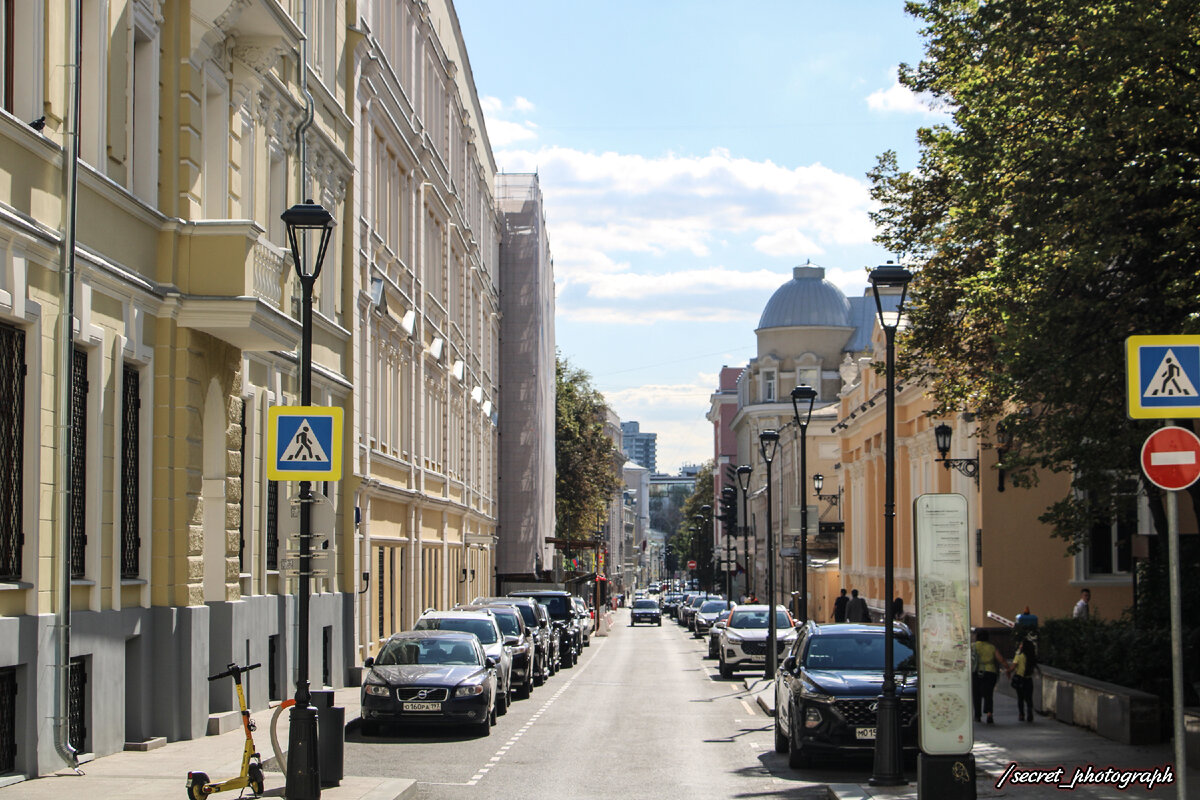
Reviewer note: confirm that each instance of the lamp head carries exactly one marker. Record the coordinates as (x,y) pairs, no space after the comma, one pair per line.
(818,481)
(768,444)
(743,476)
(803,397)
(889,276)
(941,435)
(304,218)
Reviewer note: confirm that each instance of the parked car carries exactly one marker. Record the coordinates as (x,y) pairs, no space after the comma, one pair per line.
(689,610)
(563,618)
(714,633)
(744,638)
(483,624)
(670,603)
(684,599)
(429,677)
(645,610)
(516,637)
(707,614)
(537,620)
(827,689)
(586,621)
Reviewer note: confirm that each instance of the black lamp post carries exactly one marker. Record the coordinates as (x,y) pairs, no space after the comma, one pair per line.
(967,466)
(303,780)
(704,518)
(768,445)
(743,479)
(887,770)
(803,397)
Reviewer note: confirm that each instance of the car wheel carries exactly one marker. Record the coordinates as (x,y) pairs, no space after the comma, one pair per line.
(797,757)
(485,727)
(527,689)
(502,703)
(660,622)
(726,670)
(781,739)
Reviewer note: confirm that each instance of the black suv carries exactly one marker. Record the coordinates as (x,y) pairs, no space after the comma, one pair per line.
(565,620)
(537,622)
(827,690)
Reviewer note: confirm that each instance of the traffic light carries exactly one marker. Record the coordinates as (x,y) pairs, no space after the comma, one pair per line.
(728,507)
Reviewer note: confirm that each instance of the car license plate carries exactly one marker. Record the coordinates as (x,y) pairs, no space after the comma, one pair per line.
(427,707)
(864,733)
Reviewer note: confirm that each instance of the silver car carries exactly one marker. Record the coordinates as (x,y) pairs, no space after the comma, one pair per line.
(707,614)
(744,638)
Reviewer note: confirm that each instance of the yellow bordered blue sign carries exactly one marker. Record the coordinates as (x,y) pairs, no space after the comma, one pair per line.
(1163,375)
(304,443)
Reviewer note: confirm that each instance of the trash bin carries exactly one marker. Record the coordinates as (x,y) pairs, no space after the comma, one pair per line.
(331,737)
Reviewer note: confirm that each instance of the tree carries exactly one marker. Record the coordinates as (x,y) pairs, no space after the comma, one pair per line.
(586,461)
(1056,216)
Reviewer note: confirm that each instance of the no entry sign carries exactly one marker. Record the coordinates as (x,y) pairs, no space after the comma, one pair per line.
(691,565)
(1171,458)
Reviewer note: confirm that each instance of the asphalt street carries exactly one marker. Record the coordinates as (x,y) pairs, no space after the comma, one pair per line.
(643,714)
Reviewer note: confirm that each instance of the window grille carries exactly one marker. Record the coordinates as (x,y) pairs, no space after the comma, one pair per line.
(12,447)
(273,668)
(76,707)
(273,525)
(327,656)
(242,499)
(130,438)
(79,390)
(8,720)
(379,591)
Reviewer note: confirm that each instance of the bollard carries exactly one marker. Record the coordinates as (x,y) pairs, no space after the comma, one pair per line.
(331,737)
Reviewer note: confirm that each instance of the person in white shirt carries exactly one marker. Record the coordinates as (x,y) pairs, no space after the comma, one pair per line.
(1082,607)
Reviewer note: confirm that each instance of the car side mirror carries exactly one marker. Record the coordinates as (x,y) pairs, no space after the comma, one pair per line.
(492,662)
(543,623)
(719,626)
(370,662)
(512,641)
(789,664)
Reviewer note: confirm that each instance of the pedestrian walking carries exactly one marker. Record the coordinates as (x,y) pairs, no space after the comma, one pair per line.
(856,609)
(1021,670)
(898,609)
(986,662)
(839,607)
(1083,607)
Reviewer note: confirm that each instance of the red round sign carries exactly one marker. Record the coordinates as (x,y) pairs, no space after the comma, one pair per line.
(691,565)
(1171,458)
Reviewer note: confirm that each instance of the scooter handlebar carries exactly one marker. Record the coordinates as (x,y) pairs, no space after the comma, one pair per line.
(233,671)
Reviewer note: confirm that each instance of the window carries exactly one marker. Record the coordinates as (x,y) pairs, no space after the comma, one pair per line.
(7,20)
(215,200)
(143,161)
(76,522)
(130,499)
(1108,548)
(12,446)
(768,382)
(272,525)
(809,376)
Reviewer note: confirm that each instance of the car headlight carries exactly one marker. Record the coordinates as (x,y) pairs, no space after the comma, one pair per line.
(733,637)
(814,695)
(377,690)
(469,691)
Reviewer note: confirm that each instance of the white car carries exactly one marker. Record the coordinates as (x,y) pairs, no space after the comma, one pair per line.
(586,623)
(744,638)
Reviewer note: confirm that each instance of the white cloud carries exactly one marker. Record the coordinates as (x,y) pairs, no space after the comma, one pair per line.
(502,133)
(523,105)
(899,99)
(610,315)
(787,243)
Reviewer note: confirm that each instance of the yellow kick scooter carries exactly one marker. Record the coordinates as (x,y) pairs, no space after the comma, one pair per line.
(198,785)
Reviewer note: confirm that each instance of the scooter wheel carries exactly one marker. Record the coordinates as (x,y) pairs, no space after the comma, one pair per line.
(257,783)
(195,790)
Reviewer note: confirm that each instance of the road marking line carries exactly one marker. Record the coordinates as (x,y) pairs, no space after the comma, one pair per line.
(746,706)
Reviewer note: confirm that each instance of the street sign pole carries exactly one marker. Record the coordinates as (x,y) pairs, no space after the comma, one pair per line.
(1176,645)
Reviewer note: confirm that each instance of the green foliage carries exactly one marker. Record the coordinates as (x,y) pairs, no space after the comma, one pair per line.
(697,544)
(587,463)
(1116,651)
(1054,217)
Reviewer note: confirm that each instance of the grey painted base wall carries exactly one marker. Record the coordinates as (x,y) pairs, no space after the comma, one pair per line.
(147,668)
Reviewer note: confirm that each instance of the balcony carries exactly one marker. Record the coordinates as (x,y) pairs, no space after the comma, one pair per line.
(234,285)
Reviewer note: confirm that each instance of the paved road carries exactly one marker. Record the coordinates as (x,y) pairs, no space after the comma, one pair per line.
(643,715)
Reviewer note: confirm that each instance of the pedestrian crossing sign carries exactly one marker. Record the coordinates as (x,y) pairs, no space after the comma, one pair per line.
(304,443)
(1163,374)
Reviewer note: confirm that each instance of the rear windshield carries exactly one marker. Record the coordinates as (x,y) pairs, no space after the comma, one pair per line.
(557,606)
(509,626)
(758,620)
(485,630)
(856,652)
(426,651)
(645,604)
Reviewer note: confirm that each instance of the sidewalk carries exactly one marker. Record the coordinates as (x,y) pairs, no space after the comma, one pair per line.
(161,772)
(1045,744)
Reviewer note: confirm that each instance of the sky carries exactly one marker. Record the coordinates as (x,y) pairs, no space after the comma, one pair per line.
(690,154)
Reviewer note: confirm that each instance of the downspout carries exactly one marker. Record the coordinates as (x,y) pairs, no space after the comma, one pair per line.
(306,123)
(65,438)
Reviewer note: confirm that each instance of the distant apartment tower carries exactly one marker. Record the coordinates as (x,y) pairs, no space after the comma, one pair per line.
(527,392)
(640,447)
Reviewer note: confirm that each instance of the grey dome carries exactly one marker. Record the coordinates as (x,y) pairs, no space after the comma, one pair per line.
(807,299)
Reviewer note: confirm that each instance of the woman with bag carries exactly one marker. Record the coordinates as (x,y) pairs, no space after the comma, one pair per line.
(1021,669)
(985,658)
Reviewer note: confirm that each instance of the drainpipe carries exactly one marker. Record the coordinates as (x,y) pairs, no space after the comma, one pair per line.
(306,123)
(70,177)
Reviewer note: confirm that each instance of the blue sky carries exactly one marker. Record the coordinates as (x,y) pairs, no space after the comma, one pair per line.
(691,153)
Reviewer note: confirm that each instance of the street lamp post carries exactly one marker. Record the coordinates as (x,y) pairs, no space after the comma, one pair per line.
(803,397)
(743,479)
(728,529)
(887,770)
(303,779)
(768,445)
